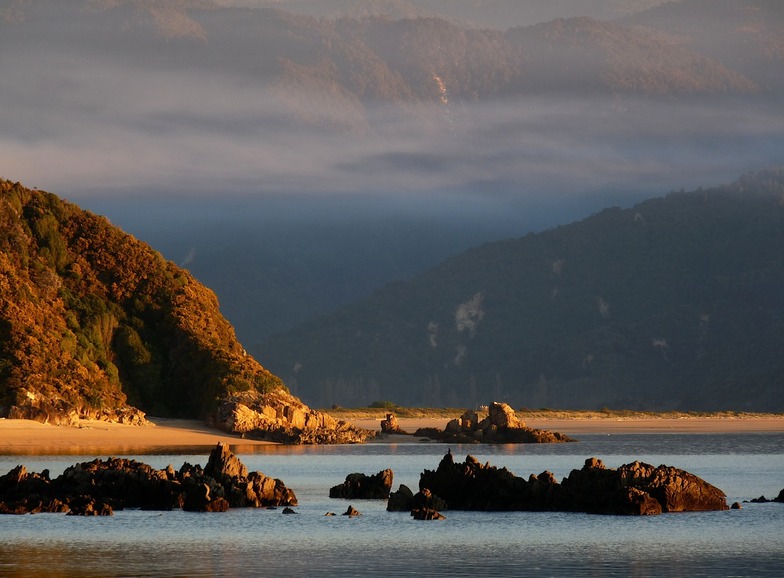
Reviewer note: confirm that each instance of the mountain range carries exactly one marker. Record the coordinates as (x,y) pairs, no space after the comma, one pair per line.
(674,303)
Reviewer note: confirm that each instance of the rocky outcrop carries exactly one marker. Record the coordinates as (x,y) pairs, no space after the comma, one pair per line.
(60,412)
(361,487)
(352,512)
(283,418)
(639,488)
(632,489)
(390,425)
(764,500)
(500,426)
(101,486)
(404,500)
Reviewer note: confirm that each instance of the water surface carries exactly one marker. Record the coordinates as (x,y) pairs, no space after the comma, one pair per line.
(241,542)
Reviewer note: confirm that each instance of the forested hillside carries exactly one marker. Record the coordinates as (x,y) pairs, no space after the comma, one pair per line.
(675,303)
(93,321)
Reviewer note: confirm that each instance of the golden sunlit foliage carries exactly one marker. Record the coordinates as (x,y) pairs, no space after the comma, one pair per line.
(91,319)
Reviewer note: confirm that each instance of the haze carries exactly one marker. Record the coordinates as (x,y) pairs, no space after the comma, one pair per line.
(297,154)
(131,98)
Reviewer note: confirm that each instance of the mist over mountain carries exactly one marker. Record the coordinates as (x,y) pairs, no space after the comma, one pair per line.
(674,303)
(191,97)
(295,155)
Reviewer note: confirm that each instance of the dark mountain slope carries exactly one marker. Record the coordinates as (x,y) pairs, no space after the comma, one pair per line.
(675,303)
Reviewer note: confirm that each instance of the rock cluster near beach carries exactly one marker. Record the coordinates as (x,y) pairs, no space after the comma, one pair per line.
(390,425)
(101,486)
(280,417)
(632,489)
(500,426)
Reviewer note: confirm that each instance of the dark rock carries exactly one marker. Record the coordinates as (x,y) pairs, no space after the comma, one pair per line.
(427,514)
(426,500)
(361,487)
(216,505)
(288,510)
(88,506)
(675,489)
(780,497)
(401,501)
(351,512)
(116,483)
(736,506)
(633,489)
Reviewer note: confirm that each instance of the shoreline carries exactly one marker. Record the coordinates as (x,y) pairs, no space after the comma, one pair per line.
(616,425)
(103,438)
(19,436)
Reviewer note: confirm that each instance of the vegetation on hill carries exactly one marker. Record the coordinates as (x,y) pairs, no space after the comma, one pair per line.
(675,303)
(92,320)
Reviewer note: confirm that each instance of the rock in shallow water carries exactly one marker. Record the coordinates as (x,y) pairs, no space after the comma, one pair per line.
(359,486)
(99,486)
(632,489)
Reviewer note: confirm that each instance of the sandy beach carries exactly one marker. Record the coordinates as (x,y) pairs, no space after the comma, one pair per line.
(97,437)
(29,437)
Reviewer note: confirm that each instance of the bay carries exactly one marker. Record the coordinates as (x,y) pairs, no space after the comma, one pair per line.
(243,542)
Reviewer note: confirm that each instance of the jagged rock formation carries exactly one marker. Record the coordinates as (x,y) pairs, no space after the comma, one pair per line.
(764,500)
(500,426)
(359,486)
(352,512)
(632,489)
(281,417)
(423,505)
(96,324)
(390,425)
(102,486)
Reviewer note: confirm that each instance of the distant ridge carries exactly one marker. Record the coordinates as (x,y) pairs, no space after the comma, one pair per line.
(675,303)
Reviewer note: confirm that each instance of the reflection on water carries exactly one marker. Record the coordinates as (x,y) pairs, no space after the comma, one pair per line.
(748,542)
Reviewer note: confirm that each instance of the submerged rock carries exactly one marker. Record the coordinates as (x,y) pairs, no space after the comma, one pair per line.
(352,512)
(427,514)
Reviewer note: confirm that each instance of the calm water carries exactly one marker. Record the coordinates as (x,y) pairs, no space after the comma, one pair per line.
(749,542)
